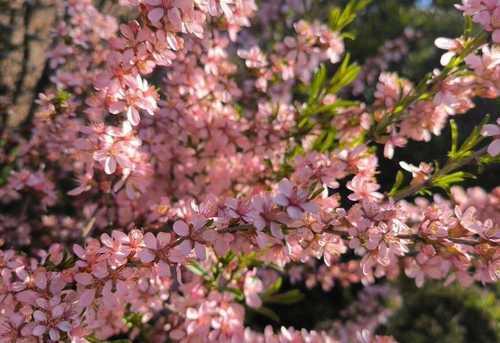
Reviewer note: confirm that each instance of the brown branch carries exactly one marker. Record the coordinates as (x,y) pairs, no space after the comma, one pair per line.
(28,11)
(465,241)
(26,125)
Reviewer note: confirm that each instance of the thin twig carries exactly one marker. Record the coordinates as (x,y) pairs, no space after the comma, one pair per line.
(448,168)
(26,52)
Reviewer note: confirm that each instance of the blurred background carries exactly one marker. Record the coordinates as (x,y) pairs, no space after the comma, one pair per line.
(393,35)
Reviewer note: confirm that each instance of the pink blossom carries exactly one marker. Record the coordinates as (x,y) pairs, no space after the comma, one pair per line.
(190,236)
(294,200)
(454,46)
(491,130)
(50,319)
(253,286)
(363,189)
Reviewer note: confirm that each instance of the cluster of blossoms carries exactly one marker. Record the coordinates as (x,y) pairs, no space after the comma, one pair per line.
(361,319)
(392,51)
(177,139)
(484,12)
(313,273)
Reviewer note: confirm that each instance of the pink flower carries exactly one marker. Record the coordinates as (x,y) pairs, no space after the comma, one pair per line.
(420,174)
(254,58)
(454,46)
(394,140)
(85,184)
(119,147)
(137,96)
(155,14)
(390,90)
(116,247)
(484,12)
(51,318)
(363,189)
(491,130)
(190,238)
(265,214)
(153,245)
(252,287)
(294,199)
(427,264)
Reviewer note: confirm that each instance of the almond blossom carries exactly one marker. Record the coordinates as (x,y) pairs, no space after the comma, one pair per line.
(239,174)
(293,199)
(491,130)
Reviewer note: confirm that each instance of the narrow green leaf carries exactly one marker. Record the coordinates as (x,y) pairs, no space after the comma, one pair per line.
(318,142)
(236,292)
(329,140)
(196,268)
(446,181)
(397,183)
(339,19)
(287,298)
(317,84)
(474,138)
(267,312)
(468,26)
(454,139)
(488,159)
(345,75)
(337,104)
(303,122)
(275,287)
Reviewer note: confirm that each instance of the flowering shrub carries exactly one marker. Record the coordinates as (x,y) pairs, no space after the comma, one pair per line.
(183,163)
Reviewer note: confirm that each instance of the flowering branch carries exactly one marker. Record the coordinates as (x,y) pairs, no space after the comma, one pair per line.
(230,180)
(428,86)
(451,166)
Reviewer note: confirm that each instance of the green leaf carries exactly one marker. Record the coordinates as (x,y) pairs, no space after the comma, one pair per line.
(488,159)
(454,138)
(348,35)
(133,319)
(344,76)
(68,261)
(316,193)
(303,122)
(397,183)
(339,19)
(62,97)
(287,298)
(274,288)
(328,142)
(468,26)
(4,174)
(331,107)
(317,84)
(446,181)
(472,141)
(318,142)
(474,138)
(236,292)
(268,313)
(425,191)
(297,150)
(228,258)
(196,268)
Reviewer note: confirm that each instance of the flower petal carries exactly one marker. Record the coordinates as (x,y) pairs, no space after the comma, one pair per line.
(181,228)
(156,14)
(109,165)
